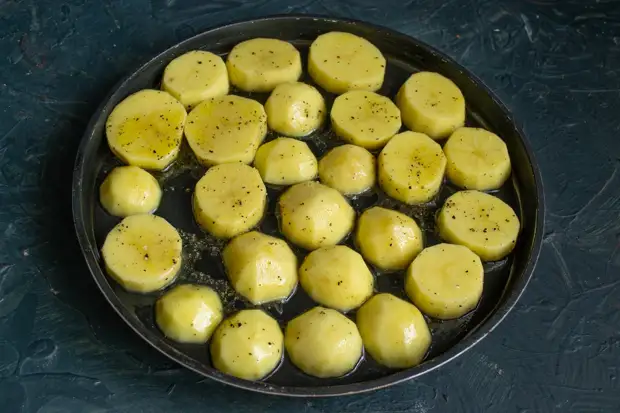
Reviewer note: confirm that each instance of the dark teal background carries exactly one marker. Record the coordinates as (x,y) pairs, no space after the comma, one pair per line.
(555,63)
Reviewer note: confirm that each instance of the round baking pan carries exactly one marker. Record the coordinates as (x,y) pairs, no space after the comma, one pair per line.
(504,280)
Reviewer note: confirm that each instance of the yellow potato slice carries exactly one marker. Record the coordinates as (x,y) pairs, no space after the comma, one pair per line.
(285,161)
(339,62)
(313,215)
(394,332)
(295,109)
(146,129)
(129,190)
(142,253)
(388,239)
(323,343)
(248,345)
(226,129)
(189,313)
(445,281)
(336,277)
(229,200)
(477,159)
(365,119)
(259,65)
(431,104)
(195,76)
(261,268)
(348,169)
(411,168)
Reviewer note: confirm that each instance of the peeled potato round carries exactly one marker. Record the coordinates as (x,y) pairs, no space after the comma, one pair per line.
(445,281)
(365,118)
(339,62)
(295,109)
(323,343)
(313,215)
(189,313)
(394,332)
(483,223)
(388,239)
(348,169)
(431,104)
(285,161)
(195,76)
(411,168)
(477,159)
(259,65)
(129,190)
(247,345)
(261,268)
(226,129)
(229,199)
(336,277)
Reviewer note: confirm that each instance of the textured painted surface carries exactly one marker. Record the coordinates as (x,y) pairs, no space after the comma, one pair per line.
(555,63)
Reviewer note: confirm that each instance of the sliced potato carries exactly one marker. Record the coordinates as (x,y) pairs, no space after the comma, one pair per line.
(336,277)
(226,129)
(195,76)
(411,168)
(313,215)
(261,268)
(339,62)
(189,313)
(248,345)
(388,239)
(348,169)
(229,200)
(146,129)
(431,104)
(477,159)
(445,281)
(483,223)
(295,109)
(143,253)
(365,118)
(129,190)
(259,65)
(323,343)
(285,161)
(394,332)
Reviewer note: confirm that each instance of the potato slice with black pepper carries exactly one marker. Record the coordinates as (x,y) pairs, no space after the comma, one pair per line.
(295,109)
(129,190)
(349,169)
(285,161)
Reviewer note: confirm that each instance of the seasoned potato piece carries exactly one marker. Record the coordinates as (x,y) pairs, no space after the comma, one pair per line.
(431,104)
(445,281)
(146,129)
(336,277)
(229,199)
(339,62)
(261,268)
(394,332)
(349,169)
(248,345)
(483,223)
(323,343)
(189,313)
(142,253)
(195,76)
(285,161)
(365,119)
(388,239)
(411,168)
(313,215)
(259,65)
(129,190)
(295,109)
(477,159)
(226,129)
